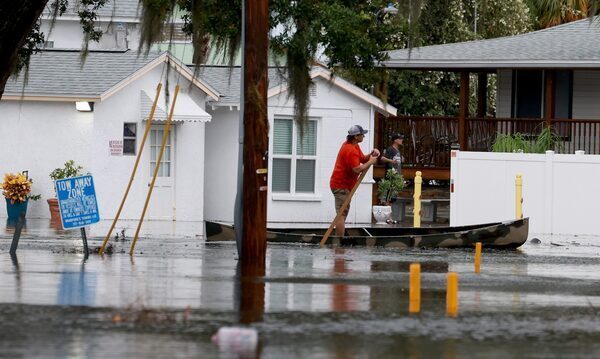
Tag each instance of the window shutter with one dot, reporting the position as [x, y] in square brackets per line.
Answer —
[282, 137]
[305, 176]
[281, 174]
[307, 146]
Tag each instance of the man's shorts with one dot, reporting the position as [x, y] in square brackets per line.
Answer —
[340, 196]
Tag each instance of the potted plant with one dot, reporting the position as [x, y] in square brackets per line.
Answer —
[67, 171]
[388, 189]
[16, 189]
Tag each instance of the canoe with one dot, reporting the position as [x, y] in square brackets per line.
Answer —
[507, 235]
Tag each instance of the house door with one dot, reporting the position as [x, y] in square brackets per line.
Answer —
[162, 204]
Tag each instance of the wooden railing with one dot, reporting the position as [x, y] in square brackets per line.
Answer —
[428, 140]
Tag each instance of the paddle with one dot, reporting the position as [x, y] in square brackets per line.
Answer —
[344, 206]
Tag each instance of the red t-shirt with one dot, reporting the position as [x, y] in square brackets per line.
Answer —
[349, 157]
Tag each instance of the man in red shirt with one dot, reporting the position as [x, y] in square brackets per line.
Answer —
[349, 164]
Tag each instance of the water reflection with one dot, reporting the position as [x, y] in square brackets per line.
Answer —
[251, 292]
[341, 298]
[15, 262]
[77, 288]
[404, 266]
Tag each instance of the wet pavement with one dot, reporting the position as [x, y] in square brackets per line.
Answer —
[175, 293]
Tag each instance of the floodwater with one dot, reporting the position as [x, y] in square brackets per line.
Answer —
[174, 294]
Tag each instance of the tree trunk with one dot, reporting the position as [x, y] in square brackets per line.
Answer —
[16, 21]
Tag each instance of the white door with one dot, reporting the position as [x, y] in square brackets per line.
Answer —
[162, 203]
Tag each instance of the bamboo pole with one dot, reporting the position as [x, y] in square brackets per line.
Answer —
[344, 206]
[160, 153]
[135, 166]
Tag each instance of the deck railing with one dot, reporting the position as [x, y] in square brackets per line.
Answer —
[428, 140]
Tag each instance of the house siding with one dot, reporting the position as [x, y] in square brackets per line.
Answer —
[586, 91]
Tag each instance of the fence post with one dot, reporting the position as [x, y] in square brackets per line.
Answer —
[519, 196]
[417, 200]
[548, 191]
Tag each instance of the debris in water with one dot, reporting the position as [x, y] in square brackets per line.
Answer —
[236, 340]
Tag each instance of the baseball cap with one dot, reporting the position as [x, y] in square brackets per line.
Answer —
[396, 136]
[357, 130]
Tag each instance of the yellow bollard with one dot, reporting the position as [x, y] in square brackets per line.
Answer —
[519, 196]
[477, 257]
[414, 293]
[452, 294]
[417, 200]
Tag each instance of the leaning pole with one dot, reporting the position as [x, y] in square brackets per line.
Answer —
[252, 211]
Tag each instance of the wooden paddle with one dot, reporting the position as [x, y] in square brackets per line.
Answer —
[344, 206]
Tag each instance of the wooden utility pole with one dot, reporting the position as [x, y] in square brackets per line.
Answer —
[256, 132]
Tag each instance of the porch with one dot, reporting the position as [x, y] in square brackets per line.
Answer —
[429, 140]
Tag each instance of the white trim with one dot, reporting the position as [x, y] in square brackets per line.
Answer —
[387, 109]
[490, 64]
[276, 196]
[175, 64]
[62, 98]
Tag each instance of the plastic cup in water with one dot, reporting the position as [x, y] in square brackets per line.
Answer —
[236, 339]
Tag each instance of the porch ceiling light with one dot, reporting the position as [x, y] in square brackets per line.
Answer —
[84, 106]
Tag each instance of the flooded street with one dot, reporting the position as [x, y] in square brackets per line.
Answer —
[174, 294]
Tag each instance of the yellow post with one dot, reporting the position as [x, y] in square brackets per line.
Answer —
[135, 166]
[477, 257]
[452, 294]
[414, 294]
[417, 200]
[519, 196]
[160, 154]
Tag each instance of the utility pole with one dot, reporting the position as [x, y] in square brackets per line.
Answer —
[253, 206]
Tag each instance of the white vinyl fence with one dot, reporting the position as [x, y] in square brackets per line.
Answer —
[561, 193]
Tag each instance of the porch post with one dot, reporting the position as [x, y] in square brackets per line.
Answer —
[549, 96]
[463, 111]
[482, 82]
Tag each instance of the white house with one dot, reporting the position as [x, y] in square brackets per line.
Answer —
[41, 129]
[298, 177]
[550, 75]
[119, 20]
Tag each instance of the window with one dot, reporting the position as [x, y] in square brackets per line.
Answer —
[156, 137]
[528, 93]
[294, 158]
[129, 138]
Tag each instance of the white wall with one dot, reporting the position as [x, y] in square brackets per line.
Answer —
[336, 111]
[39, 137]
[559, 196]
[221, 165]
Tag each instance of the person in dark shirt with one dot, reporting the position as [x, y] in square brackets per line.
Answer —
[391, 156]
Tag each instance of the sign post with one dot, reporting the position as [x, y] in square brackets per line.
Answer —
[77, 204]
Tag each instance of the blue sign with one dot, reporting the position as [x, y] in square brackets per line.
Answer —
[77, 201]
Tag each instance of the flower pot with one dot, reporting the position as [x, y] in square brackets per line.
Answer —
[382, 213]
[15, 210]
[54, 212]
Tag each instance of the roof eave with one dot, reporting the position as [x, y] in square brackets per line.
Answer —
[508, 64]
